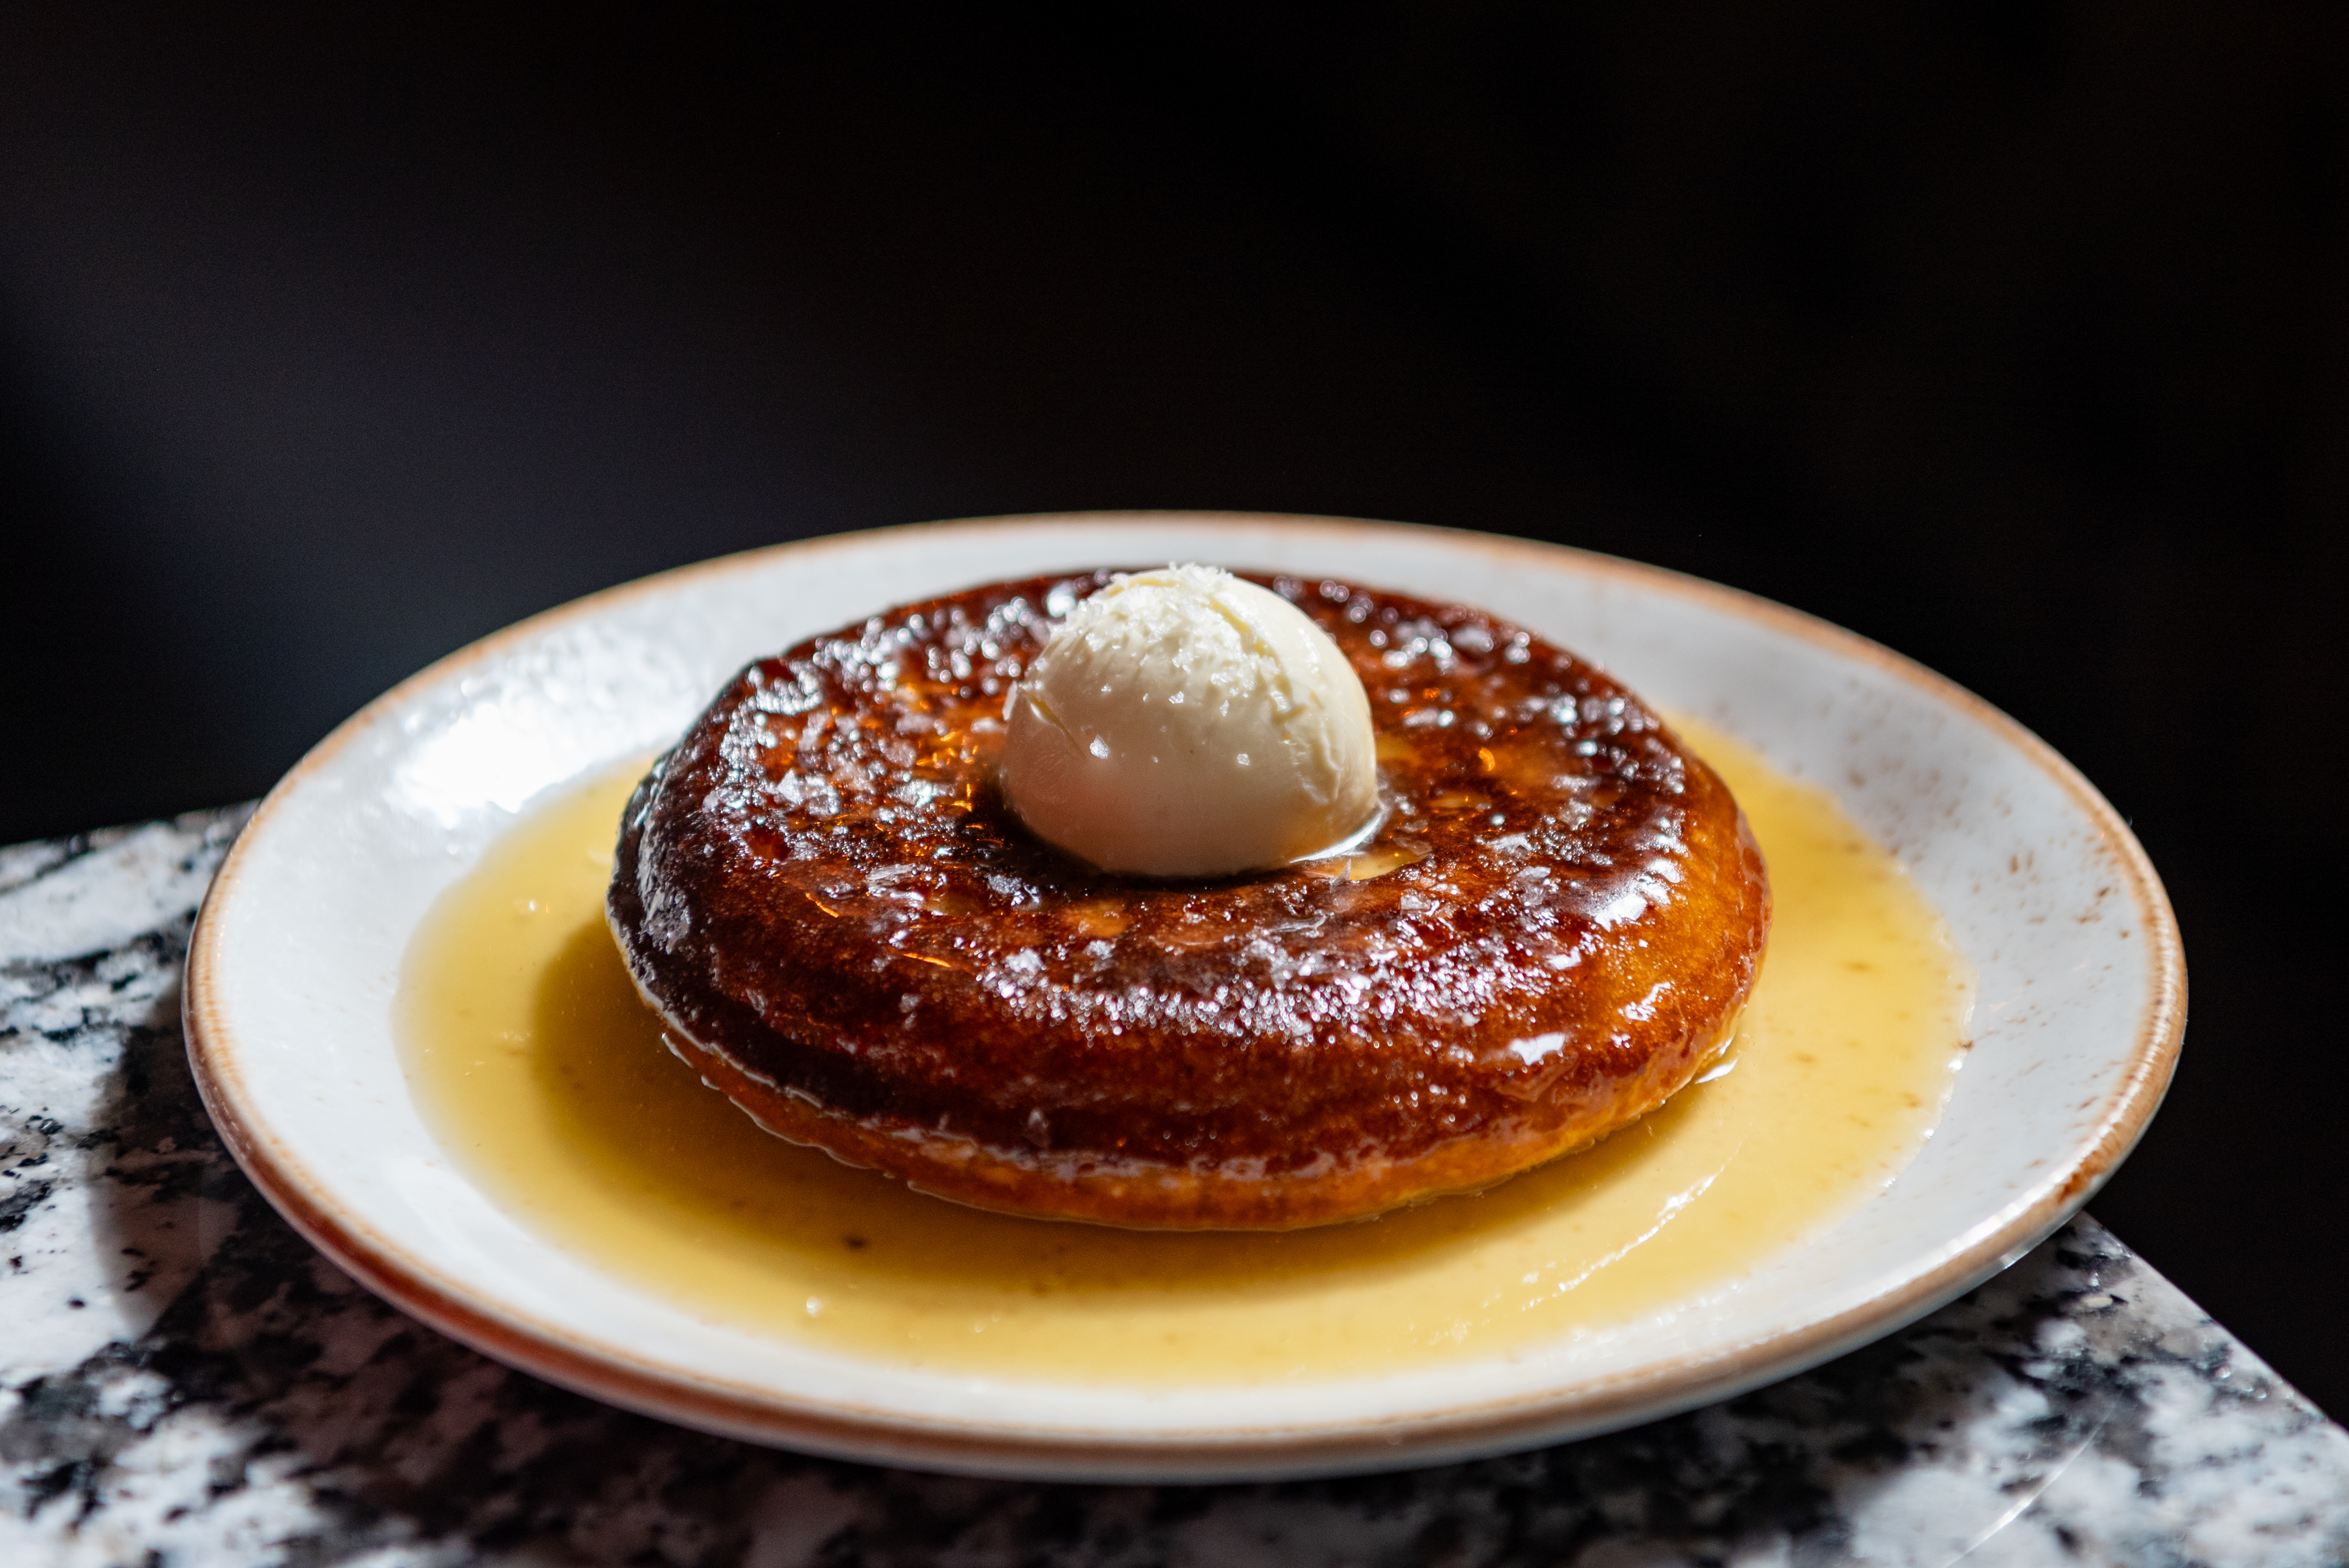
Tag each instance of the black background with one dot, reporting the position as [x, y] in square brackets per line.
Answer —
[2016, 338]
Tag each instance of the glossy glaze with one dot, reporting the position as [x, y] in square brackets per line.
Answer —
[1549, 935]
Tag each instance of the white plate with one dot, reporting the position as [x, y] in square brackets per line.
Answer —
[290, 982]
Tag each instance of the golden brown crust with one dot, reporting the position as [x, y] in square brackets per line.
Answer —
[849, 936]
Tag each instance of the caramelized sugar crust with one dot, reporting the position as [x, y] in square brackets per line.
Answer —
[848, 933]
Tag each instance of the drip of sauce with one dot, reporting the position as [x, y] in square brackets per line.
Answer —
[544, 1077]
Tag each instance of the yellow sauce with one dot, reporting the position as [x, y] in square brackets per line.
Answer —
[545, 1078]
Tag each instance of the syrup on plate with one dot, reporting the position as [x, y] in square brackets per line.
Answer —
[544, 1077]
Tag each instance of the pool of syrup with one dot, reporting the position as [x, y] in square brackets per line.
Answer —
[544, 1077]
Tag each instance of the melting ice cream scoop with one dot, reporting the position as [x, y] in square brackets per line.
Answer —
[1186, 723]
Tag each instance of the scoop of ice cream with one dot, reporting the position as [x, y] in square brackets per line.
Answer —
[1186, 724]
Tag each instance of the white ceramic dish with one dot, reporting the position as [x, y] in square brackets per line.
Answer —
[2081, 1010]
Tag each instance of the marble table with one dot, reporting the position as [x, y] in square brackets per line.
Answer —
[183, 1381]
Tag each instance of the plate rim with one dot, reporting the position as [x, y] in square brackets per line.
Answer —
[1068, 1451]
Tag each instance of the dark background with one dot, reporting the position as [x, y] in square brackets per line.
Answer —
[2014, 337]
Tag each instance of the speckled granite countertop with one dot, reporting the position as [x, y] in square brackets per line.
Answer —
[185, 1381]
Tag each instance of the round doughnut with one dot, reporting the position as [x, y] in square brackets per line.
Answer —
[847, 932]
